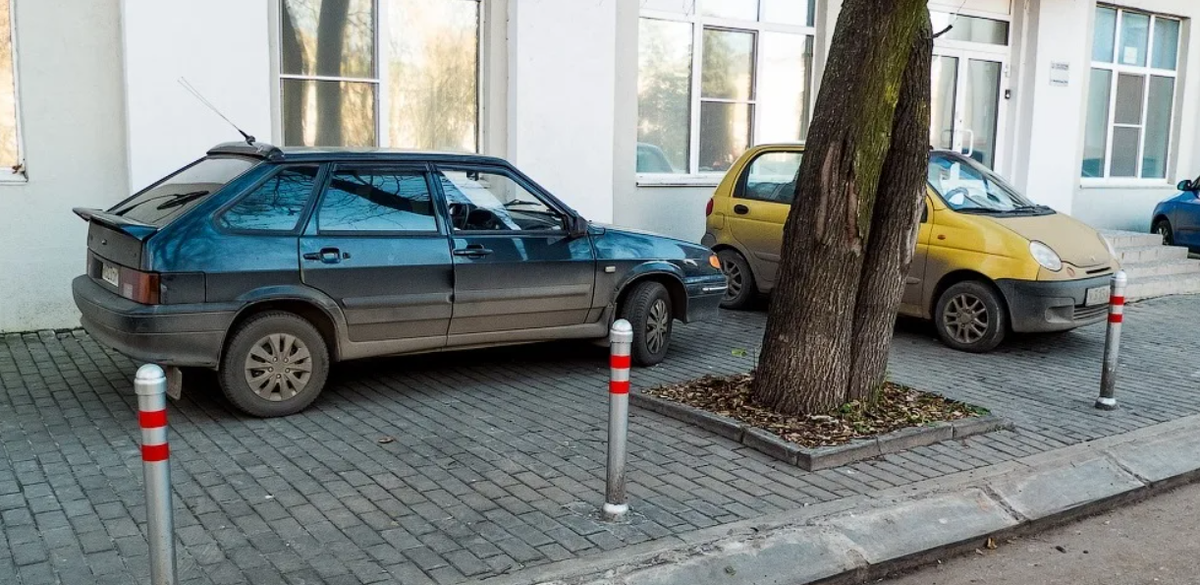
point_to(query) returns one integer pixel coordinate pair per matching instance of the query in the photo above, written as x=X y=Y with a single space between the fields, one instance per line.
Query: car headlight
x=1045 y=256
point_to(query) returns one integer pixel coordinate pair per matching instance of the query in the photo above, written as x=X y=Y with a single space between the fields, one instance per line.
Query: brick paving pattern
x=496 y=458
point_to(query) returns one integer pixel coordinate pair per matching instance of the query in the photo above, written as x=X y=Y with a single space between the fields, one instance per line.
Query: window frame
x=699 y=23
x=1146 y=72
x=739 y=190
x=400 y=167
x=305 y=214
x=516 y=177
x=21 y=176
x=383 y=135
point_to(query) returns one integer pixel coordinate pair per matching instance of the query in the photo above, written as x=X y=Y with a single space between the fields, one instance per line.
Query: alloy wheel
x=278 y=367
x=966 y=318
x=658 y=321
x=733 y=280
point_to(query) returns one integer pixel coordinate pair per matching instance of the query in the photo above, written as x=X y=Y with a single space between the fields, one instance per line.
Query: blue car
x=1177 y=219
x=269 y=264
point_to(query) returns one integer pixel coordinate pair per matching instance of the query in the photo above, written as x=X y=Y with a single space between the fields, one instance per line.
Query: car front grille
x=1084 y=313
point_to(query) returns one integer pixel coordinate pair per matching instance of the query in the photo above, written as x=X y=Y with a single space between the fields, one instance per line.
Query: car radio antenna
x=192 y=90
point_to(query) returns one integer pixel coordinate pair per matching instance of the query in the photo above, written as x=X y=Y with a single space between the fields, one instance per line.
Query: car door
x=762 y=199
x=914 y=283
x=376 y=245
x=515 y=266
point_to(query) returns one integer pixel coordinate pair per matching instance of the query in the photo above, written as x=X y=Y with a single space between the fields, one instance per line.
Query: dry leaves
x=898 y=407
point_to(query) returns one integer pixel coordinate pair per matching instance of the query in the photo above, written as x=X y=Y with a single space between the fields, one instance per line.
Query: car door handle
x=741 y=209
x=473 y=251
x=327 y=255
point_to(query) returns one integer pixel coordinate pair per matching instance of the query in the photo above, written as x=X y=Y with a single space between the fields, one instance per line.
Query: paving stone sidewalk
x=496 y=461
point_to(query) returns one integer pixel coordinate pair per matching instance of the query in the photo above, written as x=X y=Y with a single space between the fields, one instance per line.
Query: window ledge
x=1162 y=184
x=679 y=180
x=14 y=180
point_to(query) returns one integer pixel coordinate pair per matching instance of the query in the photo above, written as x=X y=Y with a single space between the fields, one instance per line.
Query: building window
x=1131 y=94
x=717 y=76
x=398 y=73
x=11 y=156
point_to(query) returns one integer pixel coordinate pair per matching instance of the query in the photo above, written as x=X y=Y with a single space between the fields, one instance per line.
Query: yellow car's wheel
x=971 y=317
x=739 y=280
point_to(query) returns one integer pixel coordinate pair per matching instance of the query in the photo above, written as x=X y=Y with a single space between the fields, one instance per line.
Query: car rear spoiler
x=136 y=229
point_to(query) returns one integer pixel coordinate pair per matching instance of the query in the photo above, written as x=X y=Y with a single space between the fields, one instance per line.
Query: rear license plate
x=111 y=274
x=1096 y=296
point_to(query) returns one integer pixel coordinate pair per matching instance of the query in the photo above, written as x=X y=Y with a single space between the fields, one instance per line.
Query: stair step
x=1139 y=270
x=1125 y=239
x=1160 y=286
x=1155 y=253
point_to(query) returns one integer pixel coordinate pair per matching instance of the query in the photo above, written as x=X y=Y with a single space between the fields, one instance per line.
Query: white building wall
x=73 y=122
x=221 y=47
x=561 y=98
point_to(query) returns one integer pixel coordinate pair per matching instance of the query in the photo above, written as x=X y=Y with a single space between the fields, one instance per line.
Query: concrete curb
x=866 y=537
x=814 y=459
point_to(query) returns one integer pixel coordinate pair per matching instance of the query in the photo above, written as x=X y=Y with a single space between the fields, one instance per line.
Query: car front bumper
x=169 y=335
x=1043 y=306
x=704 y=296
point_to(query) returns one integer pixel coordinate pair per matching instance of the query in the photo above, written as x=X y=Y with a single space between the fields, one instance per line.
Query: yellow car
x=988 y=261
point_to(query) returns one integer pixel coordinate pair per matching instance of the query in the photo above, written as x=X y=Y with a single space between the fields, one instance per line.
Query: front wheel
x=1162 y=227
x=648 y=310
x=970 y=316
x=739 y=280
x=276 y=364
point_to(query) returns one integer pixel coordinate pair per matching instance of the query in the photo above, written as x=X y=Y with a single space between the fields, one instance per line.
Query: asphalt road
x=1155 y=541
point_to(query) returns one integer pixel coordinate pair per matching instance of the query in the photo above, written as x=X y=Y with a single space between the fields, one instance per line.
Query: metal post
x=151 y=388
x=620 y=338
x=1112 y=342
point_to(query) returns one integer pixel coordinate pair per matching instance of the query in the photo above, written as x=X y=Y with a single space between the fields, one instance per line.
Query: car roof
x=277 y=154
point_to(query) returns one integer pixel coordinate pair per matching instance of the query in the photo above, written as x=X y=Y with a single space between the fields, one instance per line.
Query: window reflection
x=333 y=38
x=276 y=205
x=328 y=113
x=379 y=201
x=664 y=96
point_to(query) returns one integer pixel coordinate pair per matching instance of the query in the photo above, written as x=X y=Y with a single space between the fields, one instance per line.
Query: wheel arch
x=309 y=309
x=673 y=284
x=964 y=275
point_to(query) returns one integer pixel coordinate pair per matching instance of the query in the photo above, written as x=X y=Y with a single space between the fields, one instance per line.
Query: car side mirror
x=1186 y=186
x=577 y=226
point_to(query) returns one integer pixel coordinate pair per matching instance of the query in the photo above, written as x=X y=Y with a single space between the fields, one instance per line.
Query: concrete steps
x=1154 y=270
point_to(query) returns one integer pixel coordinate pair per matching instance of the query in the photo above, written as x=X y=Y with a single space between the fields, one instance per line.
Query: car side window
x=771 y=177
x=491 y=201
x=276 y=205
x=376 y=200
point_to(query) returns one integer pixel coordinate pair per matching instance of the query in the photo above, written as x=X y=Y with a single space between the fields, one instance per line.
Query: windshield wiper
x=1030 y=208
x=181 y=199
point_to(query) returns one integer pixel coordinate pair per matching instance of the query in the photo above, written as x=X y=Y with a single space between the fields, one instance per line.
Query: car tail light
x=708 y=208
x=139 y=287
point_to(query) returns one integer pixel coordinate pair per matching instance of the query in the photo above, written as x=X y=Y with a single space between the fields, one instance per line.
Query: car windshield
x=968 y=187
x=170 y=198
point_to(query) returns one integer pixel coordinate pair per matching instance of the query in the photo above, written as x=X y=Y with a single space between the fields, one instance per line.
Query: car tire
x=970 y=316
x=738 y=278
x=257 y=348
x=647 y=307
x=1162 y=227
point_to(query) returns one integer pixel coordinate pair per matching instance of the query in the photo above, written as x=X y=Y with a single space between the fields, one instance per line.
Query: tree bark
x=807 y=347
x=898 y=205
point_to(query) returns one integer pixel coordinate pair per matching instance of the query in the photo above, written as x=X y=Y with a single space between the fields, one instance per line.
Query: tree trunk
x=807 y=347
x=898 y=205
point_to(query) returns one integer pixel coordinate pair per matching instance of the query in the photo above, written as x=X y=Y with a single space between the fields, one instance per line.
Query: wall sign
x=1060 y=73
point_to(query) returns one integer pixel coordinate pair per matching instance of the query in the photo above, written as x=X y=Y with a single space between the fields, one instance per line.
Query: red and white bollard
x=620 y=339
x=1112 y=342
x=151 y=388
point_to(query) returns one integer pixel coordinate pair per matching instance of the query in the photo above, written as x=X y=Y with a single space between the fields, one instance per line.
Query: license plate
x=111 y=274
x=1096 y=296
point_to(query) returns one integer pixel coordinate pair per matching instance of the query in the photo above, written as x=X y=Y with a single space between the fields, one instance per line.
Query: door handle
x=741 y=209
x=326 y=255
x=473 y=251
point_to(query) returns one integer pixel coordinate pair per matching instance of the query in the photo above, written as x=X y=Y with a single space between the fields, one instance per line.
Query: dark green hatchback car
x=269 y=264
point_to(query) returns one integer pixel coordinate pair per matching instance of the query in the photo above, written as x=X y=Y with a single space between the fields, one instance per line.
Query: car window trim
x=405 y=166
x=513 y=175
x=301 y=221
x=739 y=188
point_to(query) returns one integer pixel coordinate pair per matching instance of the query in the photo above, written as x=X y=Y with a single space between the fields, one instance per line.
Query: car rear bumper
x=704 y=297
x=171 y=335
x=1042 y=306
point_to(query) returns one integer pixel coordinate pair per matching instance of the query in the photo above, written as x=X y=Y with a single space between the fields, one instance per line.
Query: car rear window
x=170 y=198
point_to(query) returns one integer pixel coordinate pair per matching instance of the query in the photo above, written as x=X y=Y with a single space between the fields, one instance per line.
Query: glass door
x=967 y=110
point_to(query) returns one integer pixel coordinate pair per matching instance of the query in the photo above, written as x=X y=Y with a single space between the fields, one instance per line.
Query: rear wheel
x=275 y=364
x=1162 y=227
x=738 y=278
x=648 y=310
x=970 y=317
